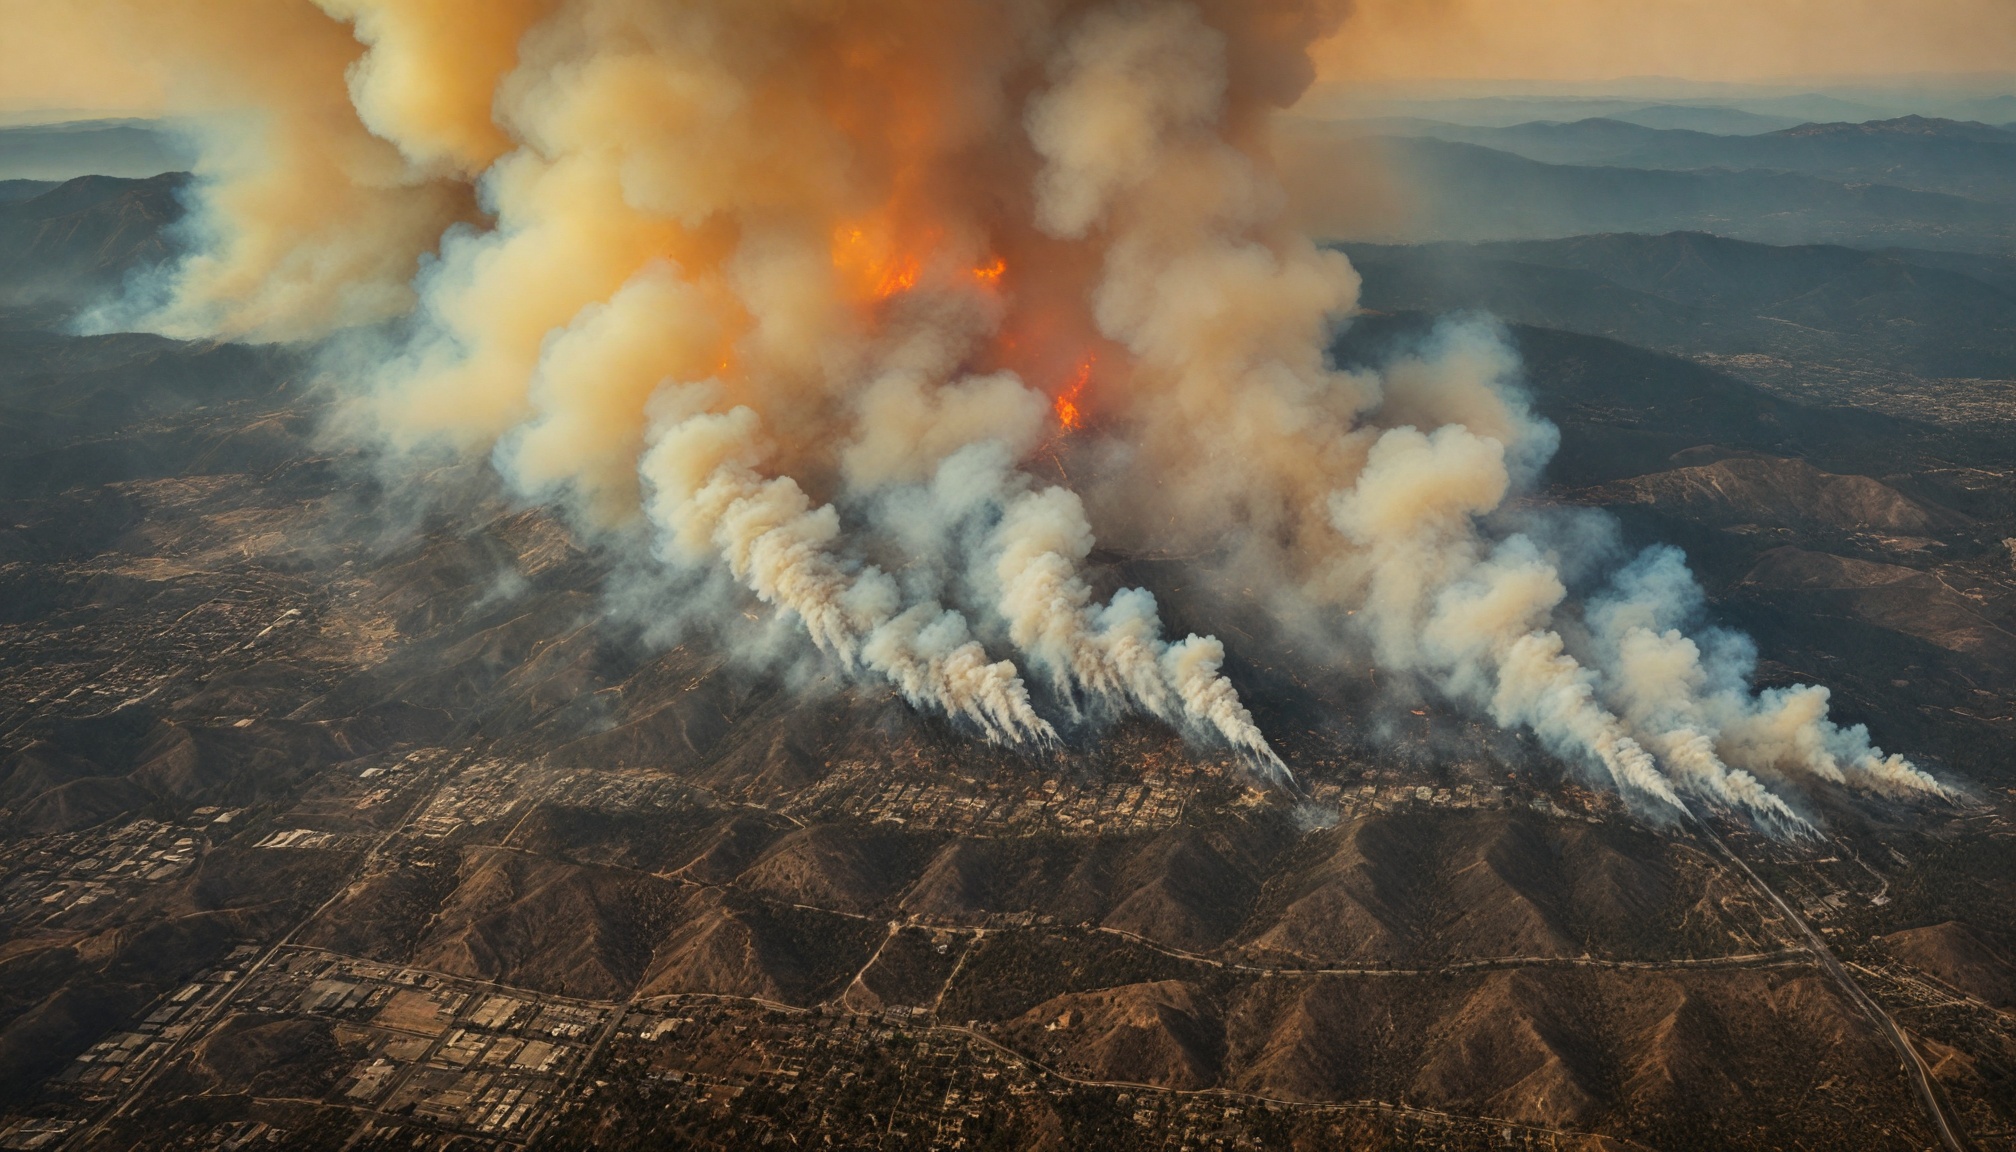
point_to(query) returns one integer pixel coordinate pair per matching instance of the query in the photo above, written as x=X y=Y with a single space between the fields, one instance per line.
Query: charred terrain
x=332 y=821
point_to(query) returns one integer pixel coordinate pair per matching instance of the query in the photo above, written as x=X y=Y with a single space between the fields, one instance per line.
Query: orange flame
x=1070 y=417
x=872 y=263
x=879 y=259
x=900 y=278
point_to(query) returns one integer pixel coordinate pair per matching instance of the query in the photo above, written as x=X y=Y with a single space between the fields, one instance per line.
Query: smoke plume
x=892 y=309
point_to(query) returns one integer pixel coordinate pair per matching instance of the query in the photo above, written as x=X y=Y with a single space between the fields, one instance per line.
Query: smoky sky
x=1735 y=40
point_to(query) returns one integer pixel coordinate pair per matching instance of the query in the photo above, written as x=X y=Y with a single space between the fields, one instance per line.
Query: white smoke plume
x=892 y=308
x=1665 y=679
x=705 y=491
x=1114 y=652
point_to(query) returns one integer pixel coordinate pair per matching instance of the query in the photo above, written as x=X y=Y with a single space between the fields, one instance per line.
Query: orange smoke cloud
x=310 y=219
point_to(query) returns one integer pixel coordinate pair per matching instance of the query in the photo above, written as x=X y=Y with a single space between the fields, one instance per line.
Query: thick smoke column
x=827 y=296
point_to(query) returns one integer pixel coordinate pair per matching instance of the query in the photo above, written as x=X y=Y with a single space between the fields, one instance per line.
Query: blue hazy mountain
x=1436 y=189
x=1750 y=109
x=1969 y=159
x=1705 y=118
x=65 y=244
x=12 y=191
x=132 y=148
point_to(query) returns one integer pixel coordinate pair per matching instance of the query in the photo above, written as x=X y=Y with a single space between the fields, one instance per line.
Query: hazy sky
x=48 y=61
x=1697 y=39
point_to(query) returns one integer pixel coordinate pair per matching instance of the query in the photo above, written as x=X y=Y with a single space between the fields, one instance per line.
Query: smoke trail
x=1192 y=667
x=1042 y=539
x=705 y=489
x=814 y=295
x=1665 y=677
x=1115 y=652
x=1439 y=603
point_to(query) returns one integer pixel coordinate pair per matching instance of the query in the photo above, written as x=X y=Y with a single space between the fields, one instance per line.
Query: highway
x=1914 y=1064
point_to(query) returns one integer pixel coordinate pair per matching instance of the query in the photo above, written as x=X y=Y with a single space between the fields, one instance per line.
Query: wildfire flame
x=1070 y=417
x=874 y=262
x=900 y=278
x=883 y=263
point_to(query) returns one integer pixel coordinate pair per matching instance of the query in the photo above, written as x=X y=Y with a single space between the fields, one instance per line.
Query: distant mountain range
x=1500 y=112
x=92 y=148
x=12 y=191
x=1974 y=160
x=1350 y=185
x=1656 y=105
x=1721 y=121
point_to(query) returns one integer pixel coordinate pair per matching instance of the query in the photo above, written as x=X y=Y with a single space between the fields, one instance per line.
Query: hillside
x=65 y=244
x=1693 y=293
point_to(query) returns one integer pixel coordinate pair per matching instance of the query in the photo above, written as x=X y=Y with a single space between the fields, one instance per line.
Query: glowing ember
x=901 y=278
x=874 y=262
x=992 y=272
x=1069 y=416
